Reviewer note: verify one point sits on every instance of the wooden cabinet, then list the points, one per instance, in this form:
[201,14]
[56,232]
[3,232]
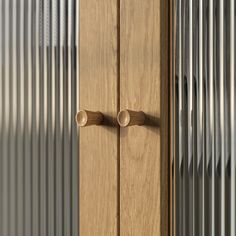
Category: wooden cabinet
[125,64]
[99,145]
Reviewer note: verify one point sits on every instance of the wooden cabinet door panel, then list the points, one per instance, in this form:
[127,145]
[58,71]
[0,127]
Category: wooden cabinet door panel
[98,92]
[144,78]
[124,64]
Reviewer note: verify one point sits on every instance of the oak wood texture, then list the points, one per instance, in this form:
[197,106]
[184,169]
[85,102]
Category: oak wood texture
[129,118]
[98,144]
[144,86]
[88,118]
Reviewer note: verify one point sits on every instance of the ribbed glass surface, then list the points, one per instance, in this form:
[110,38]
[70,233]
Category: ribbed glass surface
[204,83]
[38,102]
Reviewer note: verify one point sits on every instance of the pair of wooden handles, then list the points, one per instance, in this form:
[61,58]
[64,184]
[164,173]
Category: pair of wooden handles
[124,118]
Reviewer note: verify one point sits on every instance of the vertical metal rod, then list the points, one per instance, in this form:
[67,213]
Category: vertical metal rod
[232,119]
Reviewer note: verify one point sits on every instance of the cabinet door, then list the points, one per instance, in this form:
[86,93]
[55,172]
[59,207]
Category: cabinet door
[98,92]
[144,86]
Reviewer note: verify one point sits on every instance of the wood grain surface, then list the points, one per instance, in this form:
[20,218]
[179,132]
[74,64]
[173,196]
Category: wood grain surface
[98,92]
[144,150]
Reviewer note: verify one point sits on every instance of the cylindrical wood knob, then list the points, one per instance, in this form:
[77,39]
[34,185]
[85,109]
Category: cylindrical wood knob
[87,118]
[129,118]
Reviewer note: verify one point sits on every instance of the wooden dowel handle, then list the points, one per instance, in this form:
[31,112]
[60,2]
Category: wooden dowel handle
[87,118]
[129,118]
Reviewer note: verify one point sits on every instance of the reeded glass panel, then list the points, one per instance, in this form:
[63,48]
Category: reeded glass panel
[204,127]
[38,102]
[204,163]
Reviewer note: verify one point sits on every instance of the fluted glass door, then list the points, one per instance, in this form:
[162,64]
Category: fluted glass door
[38,101]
